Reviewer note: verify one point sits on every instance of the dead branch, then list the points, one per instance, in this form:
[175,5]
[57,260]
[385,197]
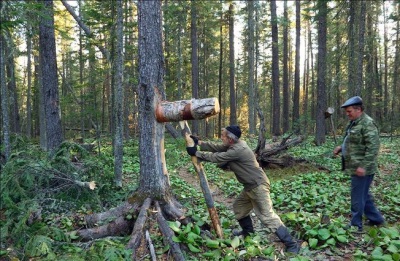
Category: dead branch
[118,227]
[111,214]
[151,246]
[168,234]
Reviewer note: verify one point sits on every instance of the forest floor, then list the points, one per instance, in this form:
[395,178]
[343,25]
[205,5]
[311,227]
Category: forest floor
[343,252]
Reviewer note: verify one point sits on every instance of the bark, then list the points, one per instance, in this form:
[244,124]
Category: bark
[232,89]
[48,64]
[276,104]
[118,74]
[4,101]
[119,226]
[187,110]
[321,85]
[138,229]
[285,82]
[111,214]
[261,134]
[168,234]
[194,59]
[296,90]
[251,87]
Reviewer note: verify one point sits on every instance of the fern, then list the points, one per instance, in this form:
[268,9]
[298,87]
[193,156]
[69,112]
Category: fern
[39,246]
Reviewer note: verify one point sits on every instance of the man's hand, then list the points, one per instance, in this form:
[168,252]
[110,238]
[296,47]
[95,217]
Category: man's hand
[337,150]
[191,150]
[195,140]
[360,172]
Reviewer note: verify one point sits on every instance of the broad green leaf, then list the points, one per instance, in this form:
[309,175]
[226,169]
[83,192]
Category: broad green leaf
[193,248]
[393,249]
[212,243]
[196,230]
[396,256]
[331,241]
[392,232]
[176,239]
[342,239]
[313,242]
[235,242]
[174,225]
[324,233]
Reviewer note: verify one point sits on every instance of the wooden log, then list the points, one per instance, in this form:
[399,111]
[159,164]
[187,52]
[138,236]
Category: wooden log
[137,232]
[203,182]
[111,214]
[168,234]
[194,109]
[118,227]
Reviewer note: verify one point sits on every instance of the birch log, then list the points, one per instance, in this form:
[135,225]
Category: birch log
[194,109]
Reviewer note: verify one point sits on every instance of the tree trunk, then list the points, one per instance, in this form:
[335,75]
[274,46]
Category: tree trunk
[48,64]
[194,59]
[4,99]
[285,82]
[232,89]
[276,104]
[251,87]
[321,85]
[296,91]
[118,73]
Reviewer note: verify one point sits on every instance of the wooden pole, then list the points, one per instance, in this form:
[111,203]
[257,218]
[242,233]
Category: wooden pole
[203,181]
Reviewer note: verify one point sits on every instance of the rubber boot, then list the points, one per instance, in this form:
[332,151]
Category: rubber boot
[247,227]
[291,245]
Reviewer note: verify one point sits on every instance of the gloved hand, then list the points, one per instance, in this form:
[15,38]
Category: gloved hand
[191,150]
[195,139]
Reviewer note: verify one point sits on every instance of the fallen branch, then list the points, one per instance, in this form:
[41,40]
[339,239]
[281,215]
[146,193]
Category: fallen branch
[151,246]
[118,227]
[111,214]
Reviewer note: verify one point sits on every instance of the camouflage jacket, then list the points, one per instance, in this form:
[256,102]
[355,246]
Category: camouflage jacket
[362,145]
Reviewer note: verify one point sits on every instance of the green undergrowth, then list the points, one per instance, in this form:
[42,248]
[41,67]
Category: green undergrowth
[41,203]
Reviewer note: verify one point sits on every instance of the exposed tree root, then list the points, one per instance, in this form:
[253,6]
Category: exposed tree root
[120,226]
[137,232]
[92,220]
[168,234]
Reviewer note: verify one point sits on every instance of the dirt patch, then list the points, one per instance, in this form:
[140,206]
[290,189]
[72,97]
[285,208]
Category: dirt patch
[193,180]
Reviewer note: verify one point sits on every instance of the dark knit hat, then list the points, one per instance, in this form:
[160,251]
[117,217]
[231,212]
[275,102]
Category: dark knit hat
[235,130]
[356,100]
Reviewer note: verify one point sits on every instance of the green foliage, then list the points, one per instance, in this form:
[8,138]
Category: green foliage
[39,213]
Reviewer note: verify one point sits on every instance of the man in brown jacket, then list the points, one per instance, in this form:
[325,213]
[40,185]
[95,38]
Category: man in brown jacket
[237,155]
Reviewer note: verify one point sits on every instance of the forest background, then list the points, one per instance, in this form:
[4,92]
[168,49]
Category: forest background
[77,77]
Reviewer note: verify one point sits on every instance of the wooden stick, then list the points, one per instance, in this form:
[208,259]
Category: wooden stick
[151,246]
[203,182]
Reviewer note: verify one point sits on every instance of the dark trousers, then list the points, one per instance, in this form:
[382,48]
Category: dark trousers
[362,201]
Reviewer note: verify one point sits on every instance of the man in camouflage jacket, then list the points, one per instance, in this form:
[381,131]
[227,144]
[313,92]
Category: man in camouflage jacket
[359,159]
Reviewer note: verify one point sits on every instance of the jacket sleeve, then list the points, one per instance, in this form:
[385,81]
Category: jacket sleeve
[208,146]
[219,157]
